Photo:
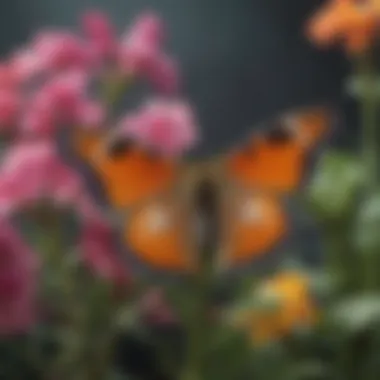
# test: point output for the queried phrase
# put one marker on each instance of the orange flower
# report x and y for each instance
(353, 22)
(294, 308)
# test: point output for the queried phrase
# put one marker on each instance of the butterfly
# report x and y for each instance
(170, 213)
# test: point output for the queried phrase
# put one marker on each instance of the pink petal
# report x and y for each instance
(10, 103)
(8, 78)
(32, 171)
(101, 36)
(18, 282)
(96, 25)
(149, 28)
(38, 121)
(60, 50)
(91, 114)
(163, 74)
(99, 252)
(140, 45)
(26, 64)
(168, 126)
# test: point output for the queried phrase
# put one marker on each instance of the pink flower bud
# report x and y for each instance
(96, 25)
(100, 34)
(141, 45)
(148, 28)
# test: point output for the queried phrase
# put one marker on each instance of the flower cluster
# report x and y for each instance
(48, 85)
(354, 23)
(45, 84)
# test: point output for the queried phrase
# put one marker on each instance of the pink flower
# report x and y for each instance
(38, 120)
(65, 91)
(140, 47)
(60, 50)
(25, 65)
(18, 282)
(97, 247)
(8, 78)
(100, 34)
(168, 126)
(163, 74)
(32, 171)
(59, 101)
(148, 28)
(91, 114)
(10, 103)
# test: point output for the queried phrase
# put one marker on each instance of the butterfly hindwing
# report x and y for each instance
(157, 234)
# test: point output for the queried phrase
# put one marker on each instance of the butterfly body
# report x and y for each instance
(171, 213)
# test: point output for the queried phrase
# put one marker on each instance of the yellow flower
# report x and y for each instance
(352, 22)
(294, 308)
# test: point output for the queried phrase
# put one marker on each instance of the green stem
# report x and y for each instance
(369, 142)
(367, 75)
(342, 258)
(114, 86)
(197, 325)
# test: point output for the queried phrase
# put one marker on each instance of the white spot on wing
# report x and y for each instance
(158, 219)
(251, 211)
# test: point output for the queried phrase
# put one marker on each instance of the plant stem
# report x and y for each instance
(198, 328)
(369, 142)
(343, 260)
(367, 76)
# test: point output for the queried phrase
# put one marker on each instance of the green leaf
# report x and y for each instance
(323, 285)
(367, 224)
(233, 350)
(308, 369)
(357, 86)
(333, 190)
(357, 313)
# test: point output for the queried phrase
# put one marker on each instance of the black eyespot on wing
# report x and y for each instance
(119, 146)
(278, 135)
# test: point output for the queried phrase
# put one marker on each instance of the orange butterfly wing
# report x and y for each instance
(157, 237)
(256, 223)
(127, 173)
(155, 232)
(277, 161)
(134, 183)
(272, 165)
